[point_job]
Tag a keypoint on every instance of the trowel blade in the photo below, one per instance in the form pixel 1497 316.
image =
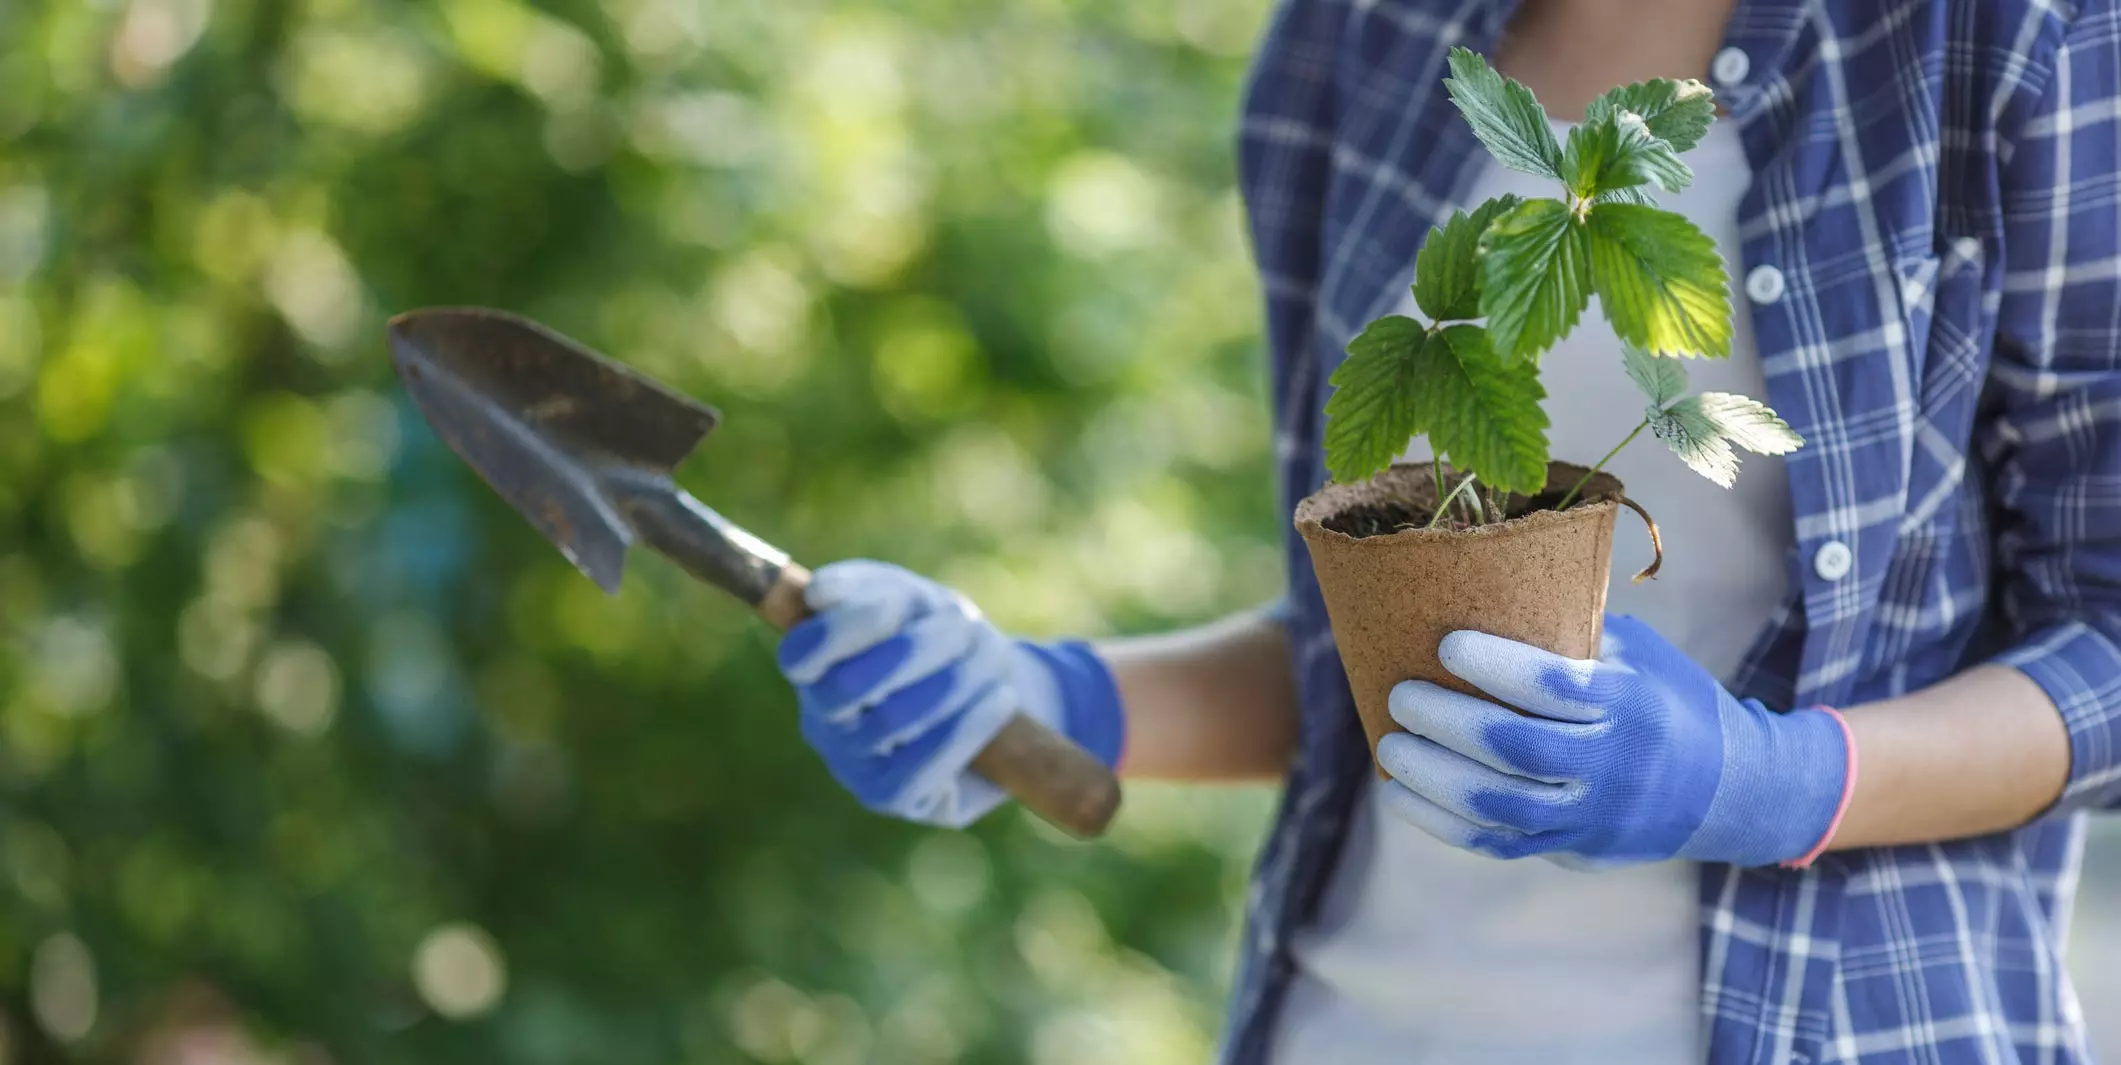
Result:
pixel 540 417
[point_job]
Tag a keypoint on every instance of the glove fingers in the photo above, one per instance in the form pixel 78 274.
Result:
pixel 878 782
pixel 920 706
pixel 1493 735
pixel 826 639
pixel 924 647
pixel 1447 827
pixel 1532 680
pixel 1473 791
pixel 858 604
pixel 946 791
pixel 864 580
pixel 841 690
pixel 902 684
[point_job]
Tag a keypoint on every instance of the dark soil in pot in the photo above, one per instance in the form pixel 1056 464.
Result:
pixel 1389 516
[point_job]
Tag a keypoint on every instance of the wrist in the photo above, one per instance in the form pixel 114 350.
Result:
pixel 1086 697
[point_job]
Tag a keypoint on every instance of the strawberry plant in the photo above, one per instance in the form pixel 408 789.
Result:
pixel 1502 283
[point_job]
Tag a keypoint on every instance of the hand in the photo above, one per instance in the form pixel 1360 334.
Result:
pixel 1638 757
pixel 902 683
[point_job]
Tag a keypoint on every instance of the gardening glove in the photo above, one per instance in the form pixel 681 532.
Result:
pixel 1640 756
pixel 902 683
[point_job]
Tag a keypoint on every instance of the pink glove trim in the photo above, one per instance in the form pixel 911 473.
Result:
pixel 1848 791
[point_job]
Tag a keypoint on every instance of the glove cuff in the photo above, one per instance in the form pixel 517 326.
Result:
pixel 1089 697
pixel 1848 791
pixel 1786 778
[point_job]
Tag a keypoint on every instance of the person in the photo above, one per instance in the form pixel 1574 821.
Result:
pixel 1824 794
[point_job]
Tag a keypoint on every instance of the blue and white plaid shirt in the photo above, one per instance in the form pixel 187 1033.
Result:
pixel 1938 184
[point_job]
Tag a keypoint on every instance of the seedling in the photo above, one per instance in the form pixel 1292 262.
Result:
pixel 1502 284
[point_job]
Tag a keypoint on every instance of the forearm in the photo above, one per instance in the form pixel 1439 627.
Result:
pixel 1982 752
pixel 1213 703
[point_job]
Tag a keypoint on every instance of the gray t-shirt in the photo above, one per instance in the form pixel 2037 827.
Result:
pixel 1424 954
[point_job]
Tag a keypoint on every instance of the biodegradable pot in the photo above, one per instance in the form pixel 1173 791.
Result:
pixel 1539 578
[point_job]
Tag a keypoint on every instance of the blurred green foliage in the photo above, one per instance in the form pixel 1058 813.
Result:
pixel 313 752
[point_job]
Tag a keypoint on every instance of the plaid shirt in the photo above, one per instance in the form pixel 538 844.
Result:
pixel 1937 187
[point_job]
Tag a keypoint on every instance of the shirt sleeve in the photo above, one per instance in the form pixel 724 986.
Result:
pixel 2053 438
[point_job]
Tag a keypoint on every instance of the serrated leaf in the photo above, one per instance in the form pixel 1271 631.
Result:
pixel 1662 380
pixel 1702 429
pixel 1617 151
pixel 1370 416
pixel 1676 112
pixel 1659 280
pixel 1590 149
pixel 1644 158
pixel 1749 423
pixel 1535 277
pixel 1635 194
pixel 1504 115
pixel 1447 271
pixel 1482 411
pixel 1694 438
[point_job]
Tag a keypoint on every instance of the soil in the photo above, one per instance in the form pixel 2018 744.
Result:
pixel 1546 500
pixel 1381 519
pixel 1396 515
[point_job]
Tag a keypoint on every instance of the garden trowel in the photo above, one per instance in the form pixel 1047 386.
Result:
pixel 584 447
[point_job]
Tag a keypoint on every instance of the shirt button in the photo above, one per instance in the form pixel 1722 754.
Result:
pixel 1763 284
pixel 1911 292
pixel 1730 66
pixel 1833 560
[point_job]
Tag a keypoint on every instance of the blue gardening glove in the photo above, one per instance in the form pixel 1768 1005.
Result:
pixel 902 683
pixel 1638 757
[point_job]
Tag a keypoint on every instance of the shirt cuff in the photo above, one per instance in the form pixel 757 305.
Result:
pixel 2080 669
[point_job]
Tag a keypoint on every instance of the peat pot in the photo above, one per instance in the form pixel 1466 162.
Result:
pixel 1539 577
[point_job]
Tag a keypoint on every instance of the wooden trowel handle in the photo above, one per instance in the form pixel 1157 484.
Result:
pixel 1051 776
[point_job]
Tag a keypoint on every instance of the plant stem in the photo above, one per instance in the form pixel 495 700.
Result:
pixel 1436 467
pixel 1444 507
pixel 1593 471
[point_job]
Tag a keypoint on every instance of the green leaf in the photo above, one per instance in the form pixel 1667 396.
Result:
pixel 1661 379
pixel 1635 194
pixel 1370 416
pixel 1447 272
pixel 1701 429
pixel 1677 112
pixel 1504 115
pixel 1694 438
pixel 1749 423
pixel 1659 280
pixel 1535 277
pixel 1482 411
pixel 1616 152
pixel 1591 147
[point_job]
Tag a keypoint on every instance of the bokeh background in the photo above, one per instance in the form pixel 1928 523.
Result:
pixel 311 752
